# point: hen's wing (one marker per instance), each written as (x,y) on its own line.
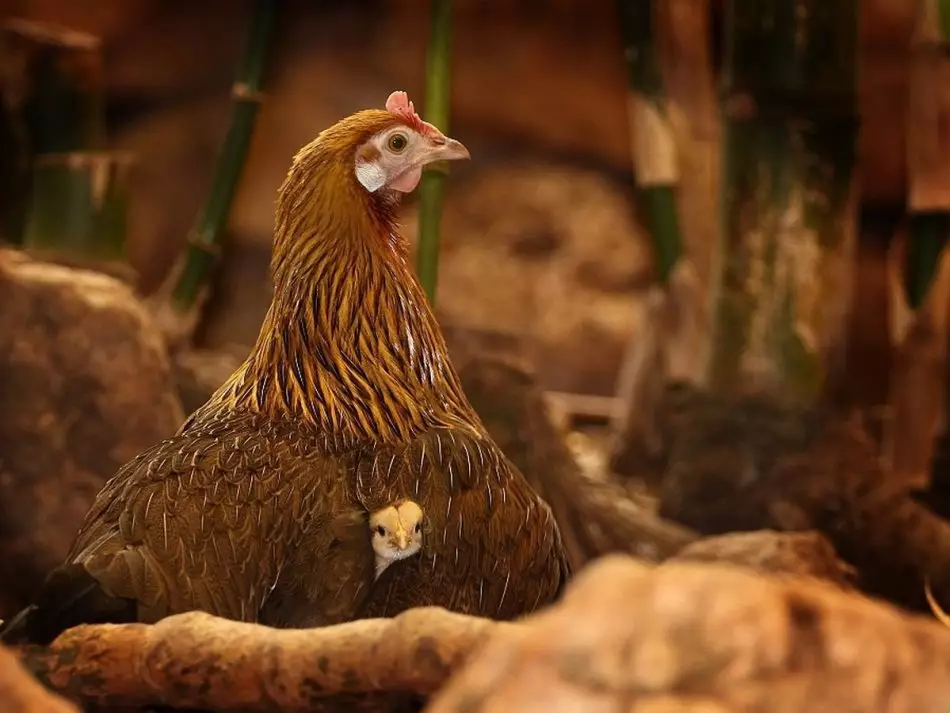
(491,545)
(305,597)
(205,520)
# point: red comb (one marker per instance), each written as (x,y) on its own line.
(399,105)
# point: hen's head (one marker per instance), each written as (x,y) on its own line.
(386,149)
(393,156)
(347,181)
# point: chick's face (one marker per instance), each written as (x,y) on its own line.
(397,531)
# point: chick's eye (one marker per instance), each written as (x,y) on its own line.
(398,143)
(418,527)
(380,530)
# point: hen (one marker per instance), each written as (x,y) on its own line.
(347,403)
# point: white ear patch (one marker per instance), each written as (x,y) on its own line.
(370,175)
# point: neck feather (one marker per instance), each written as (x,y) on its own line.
(350,344)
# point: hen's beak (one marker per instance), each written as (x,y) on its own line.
(452,150)
(442,148)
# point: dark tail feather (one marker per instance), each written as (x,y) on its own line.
(69,597)
(13,630)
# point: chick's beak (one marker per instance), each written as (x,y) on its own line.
(402,540)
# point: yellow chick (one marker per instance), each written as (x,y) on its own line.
(396,532)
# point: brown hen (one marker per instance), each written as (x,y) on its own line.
(347,403)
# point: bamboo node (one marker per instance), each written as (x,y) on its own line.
(240,91)
(77,160)
(197,240)
(49,33)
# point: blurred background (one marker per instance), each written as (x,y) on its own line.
(540,233)
(539,92)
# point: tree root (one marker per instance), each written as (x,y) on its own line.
(196,660)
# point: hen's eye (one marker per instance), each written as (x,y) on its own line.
(380,530)
(398,143)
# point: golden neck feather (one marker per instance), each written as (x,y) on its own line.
(350,343)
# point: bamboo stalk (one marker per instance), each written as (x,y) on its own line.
(78,210)
(927,238)
(684,40)
(204,239)
(781,282)
(921,291)
(52,105)
(432,188)
(928,150)
(668,343)
(654,148)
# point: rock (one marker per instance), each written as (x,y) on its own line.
(558,260)
(706,639)
(805,554)
(86,386)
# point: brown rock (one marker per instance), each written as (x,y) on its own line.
(577,303)
(85,386)
(805,554)
(706,638)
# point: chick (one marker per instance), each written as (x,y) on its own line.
(396,532)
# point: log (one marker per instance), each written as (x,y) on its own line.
(625,630)
(197,660)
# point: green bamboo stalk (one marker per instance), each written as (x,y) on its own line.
(917,398)
(654,147)
(78,209)
(648,357)
(929,219)
(53,106)
(943,20)
(204,239)
(432,188)
(782,279)
(927,236)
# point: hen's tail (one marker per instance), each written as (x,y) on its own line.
(69,597)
